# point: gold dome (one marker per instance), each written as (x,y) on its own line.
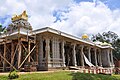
(85,36)
(106,44)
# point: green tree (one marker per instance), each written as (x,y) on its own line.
(112,38)
(2,29)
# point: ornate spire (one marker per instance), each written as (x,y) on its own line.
(21,16)
(19,22)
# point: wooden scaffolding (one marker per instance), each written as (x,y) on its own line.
(17,51)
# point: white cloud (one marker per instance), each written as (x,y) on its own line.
(40,12)
(84,17)
(88,18)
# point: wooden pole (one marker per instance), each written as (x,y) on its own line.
(26,57)
(8,49)
(12,52)
(7,61)
(19,53)
(24,47)
(29,50)
(4,63)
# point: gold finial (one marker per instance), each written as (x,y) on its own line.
(21,16)
(85,36)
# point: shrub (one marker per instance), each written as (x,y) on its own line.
(13,75)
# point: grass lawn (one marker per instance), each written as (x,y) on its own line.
(63,75)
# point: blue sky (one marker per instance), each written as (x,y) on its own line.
(112,4)
(71,16)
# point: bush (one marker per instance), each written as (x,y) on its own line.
(13,75)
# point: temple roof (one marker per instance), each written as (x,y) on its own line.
(51,30)
(54,31)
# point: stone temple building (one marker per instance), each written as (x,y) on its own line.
(23,48)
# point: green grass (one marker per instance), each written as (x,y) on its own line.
(117,76)
(63,75)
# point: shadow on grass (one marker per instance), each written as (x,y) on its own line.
(86,76)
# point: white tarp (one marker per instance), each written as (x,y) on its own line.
(87,61)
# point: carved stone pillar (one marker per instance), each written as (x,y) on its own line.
(47,48)
(82,57)
(58,52)
(40,54)
(100,58)
(112,58)
(89,54)
(63,51)
(95,57)
(108,56)
(74,55)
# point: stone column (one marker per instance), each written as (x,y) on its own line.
(53,52)
(108,56)
(112,58)
(89,54)
(47,48)
(40,54)
(58,52)
(74,55)
(95,57)
(100,57)
(63,51)
(82,57)
(55,48)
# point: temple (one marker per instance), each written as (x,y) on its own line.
(25,49)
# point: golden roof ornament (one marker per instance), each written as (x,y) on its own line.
(106,44)
(85,36)
(21,16)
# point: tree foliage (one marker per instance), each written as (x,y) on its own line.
(2,29)
(112,38)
